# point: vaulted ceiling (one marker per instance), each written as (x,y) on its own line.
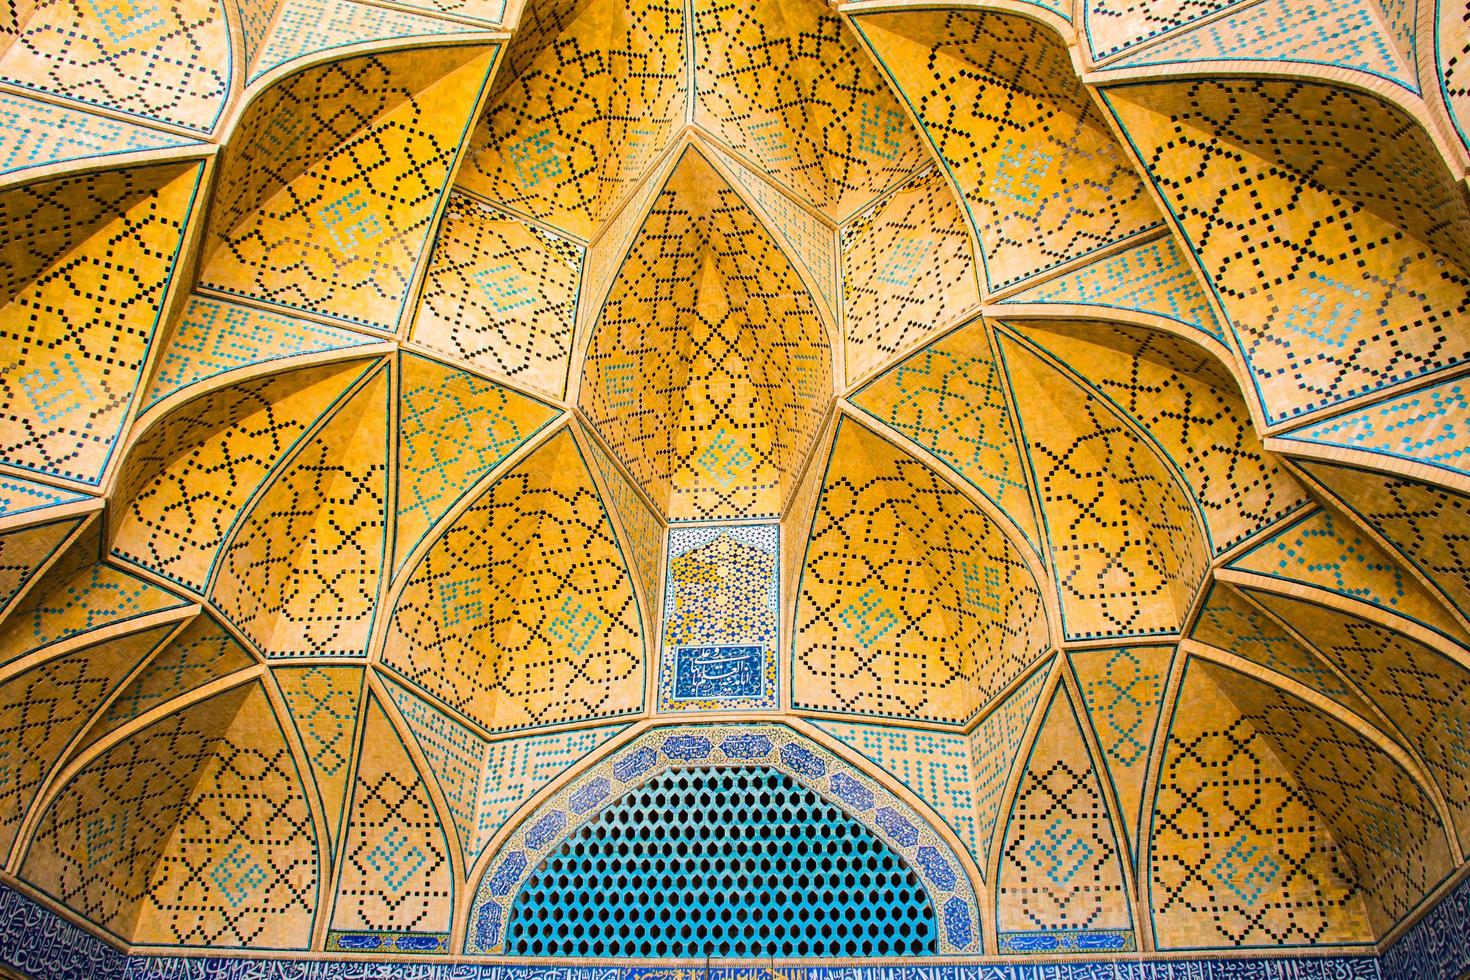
(1067,406)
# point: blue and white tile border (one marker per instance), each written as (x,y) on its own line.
(36,942)
(42,945)
(1326,968)
(775,746)
(1437,947)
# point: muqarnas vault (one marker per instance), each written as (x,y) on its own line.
(871,489)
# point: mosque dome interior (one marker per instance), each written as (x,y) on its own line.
(595,489)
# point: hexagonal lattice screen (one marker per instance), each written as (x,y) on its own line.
(722,862)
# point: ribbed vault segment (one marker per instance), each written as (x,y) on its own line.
(709,368)
(588,95)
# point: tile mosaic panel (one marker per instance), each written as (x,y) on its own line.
(721,618)
(773,746)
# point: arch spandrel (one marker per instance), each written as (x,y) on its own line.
(780,748)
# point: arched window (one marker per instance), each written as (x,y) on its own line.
(725,862)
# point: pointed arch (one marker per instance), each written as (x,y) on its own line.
(773,746)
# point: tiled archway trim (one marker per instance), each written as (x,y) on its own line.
(775,746)
(40,944)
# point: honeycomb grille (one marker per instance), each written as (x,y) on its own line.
(722,863)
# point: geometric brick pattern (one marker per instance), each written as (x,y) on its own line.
(1122,692)
(641,526)
(607,256)
(1238,853)
(1343,35)
(995,745)
(1325,549)
(1187,402)
(304,27)
(395,873)
(517,768)
(1428,525)
(1126,541)
(88,263)
(906,269)
(326,208)
(1377,813)
(1452,44)
(19,496)
(1357,285)
(78,595)
(187,479)
(37,133)
(301,573)
(786,87)
(582,104)
(501,295)
(934,765)
(1425,694)
(101,837)
(913,603)
(455,755)
(813,240)
(276,603)
(485,782)
(709,369)
(1043,179)
(165,62)
(44,708)
(1116,25)
(1153,277)
(950,398)
(323,702)
(453,428)
(480,11)
(1229,622)
(1060,865)
(522,613)
(241,868)
(212,337)
(200,652)
(24,550)
(1430,426)
(256,19)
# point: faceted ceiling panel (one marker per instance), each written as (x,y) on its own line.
(708,371)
